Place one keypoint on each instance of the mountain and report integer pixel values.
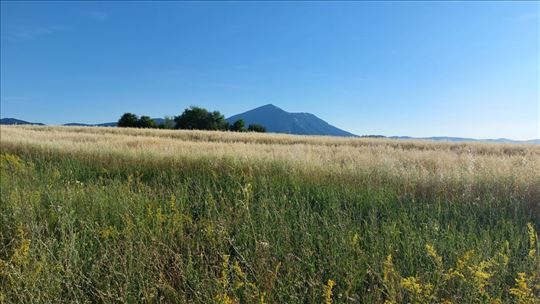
(277, 120)
(14, 121)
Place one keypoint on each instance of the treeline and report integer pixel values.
(194, 118)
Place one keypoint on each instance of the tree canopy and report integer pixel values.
(128, 120)
(146, 122)
(193, 118)
(197, 118)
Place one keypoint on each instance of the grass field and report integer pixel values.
(108, 215)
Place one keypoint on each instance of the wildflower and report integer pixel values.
(11, 161)
(522, 292)
(354, 239)
(433, 254)
(412, 285)
(20, 255)
(328, 291)
(480, 275)
(240, 274)
(223, 297)
(390, 279)
(224, 280)
(108, 232)
(422, 293)
(161, 218)
(533, 238)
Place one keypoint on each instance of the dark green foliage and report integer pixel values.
(146, 122)
(128, 120)
(197, 118)
(238, 126)
(256, 128)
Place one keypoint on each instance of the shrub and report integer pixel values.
(238, 126)
(256, 128)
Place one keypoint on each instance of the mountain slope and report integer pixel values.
(277, 120)
(14, 121)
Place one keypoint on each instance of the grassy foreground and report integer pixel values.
(125, 215)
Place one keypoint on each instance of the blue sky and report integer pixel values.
(393, 68)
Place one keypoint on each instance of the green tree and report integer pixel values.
(218, 122)
(197, 118)
(146, 122)
(256, 128)
(238, 126)
(128, 120)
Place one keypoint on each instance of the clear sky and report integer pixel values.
(466, 69)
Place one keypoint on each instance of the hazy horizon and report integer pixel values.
(416, 69)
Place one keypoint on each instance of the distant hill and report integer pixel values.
(466, 139)
(277, 120)
(106, 124)
(14, 121)
(77, 124)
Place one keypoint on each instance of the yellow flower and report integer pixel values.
(433, 254)
(412, 285)
(533, 238)
(354, 239)
(522, 292)
(328, 291)
(422, 293)
(20, 254)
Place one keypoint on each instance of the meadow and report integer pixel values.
(113, 215)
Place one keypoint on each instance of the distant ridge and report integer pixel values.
(465, 139)
(14, 121)
(76, 124)
(277, 120)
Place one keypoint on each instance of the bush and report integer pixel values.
(256, 128)
(238, 126)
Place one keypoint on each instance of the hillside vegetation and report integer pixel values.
(112, 215)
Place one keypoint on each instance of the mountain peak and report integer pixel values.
(268, 107)
(277, 120)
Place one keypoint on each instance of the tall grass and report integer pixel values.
(128, 215)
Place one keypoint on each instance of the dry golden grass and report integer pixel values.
(417, 160)
(329, 152)
(422, 167)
